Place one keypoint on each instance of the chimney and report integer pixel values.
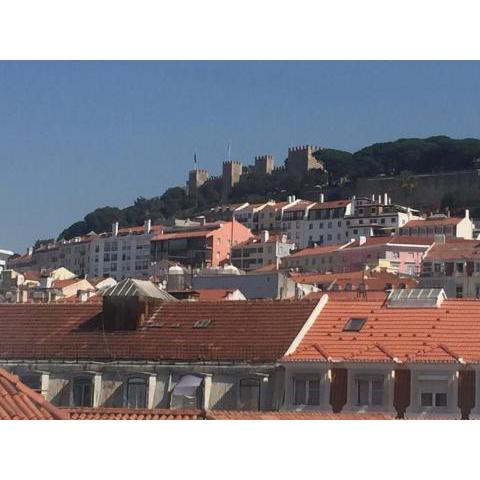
(83, 295)
(362, 240)
(467, 213)
(202, 220)
(29, 251)
(293, 198)
(373, 197)
(264, 236)
(115, 229)
(321, 198)
(147, 226)
(380, 199)
(385, 198)
(289, 199)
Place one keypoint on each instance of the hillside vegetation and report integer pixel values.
(402, 157)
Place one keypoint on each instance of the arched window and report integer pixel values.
(82, 392)
(136, 392)
(250, 394)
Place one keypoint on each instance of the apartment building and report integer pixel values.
(123, 252)
(395, 254)
(454, 265)
(261, 250)
(207, 245)
(451, 227)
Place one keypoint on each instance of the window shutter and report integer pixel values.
(466, 392)
(469, 268)
(401, 392)
(449, 268)
(338, 389)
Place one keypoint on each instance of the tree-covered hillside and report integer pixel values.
(402, 157)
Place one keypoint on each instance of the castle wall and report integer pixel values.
(426, 191)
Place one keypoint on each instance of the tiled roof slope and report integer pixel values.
(292, 415)
(450, 333)
(253, 331)
(461, 249)
(429, 222)
(19, 402)
(103, 413)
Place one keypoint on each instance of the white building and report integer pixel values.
(261, 250)
(4, 255)
(122, 253)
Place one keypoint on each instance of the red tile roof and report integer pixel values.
(19, 402)
(372, 280)
(213, 293)
(391, 240)
(320, 250)
(443, 334)
(432, 222)
(460, 249)
(105, 413)
(292, 415)
(300, 205)
(178, 235)
(253, 331)
(332, 204)
(66, 283)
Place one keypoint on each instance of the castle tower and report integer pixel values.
(301, 159)
(231, 173)
(196, 178)
(264, 164)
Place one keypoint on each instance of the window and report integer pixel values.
(369, 390)
(339, 224)
(82, 392)
(32, 381)
(310, 226)
(459, 267)
(249, 394)
(459, 291)
(136, 392)
(306, 391)
(433, 391)
(354, 324)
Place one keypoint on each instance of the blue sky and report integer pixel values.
(79, 135)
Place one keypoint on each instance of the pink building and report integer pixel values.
(397, 254)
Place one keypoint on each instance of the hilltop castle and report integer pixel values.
(300, 159)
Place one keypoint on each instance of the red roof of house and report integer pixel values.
(19, 402)
(253, 331)
(179, 235)
(292, 415)
(66, 283)
(300, 205)
(332, 204)
(451, 250)
(213, 293)
(391, 240)
(320, 250)
(432, 222)
(445, 334)
(106, 413)
(372, 280)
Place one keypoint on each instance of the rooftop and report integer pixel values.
(19, 402)
(447, 334)
(433, 221)
(254, 331)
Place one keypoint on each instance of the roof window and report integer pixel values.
(201, 324)
(354, 324)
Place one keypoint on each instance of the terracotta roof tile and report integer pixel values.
(445, 334)
(105, 413)
(332, 204)
(19, 402)
(255, 331)
(292, 415)
(432, 222)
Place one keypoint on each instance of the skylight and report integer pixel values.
(416, 298)
(201, 324)
(354, 324)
